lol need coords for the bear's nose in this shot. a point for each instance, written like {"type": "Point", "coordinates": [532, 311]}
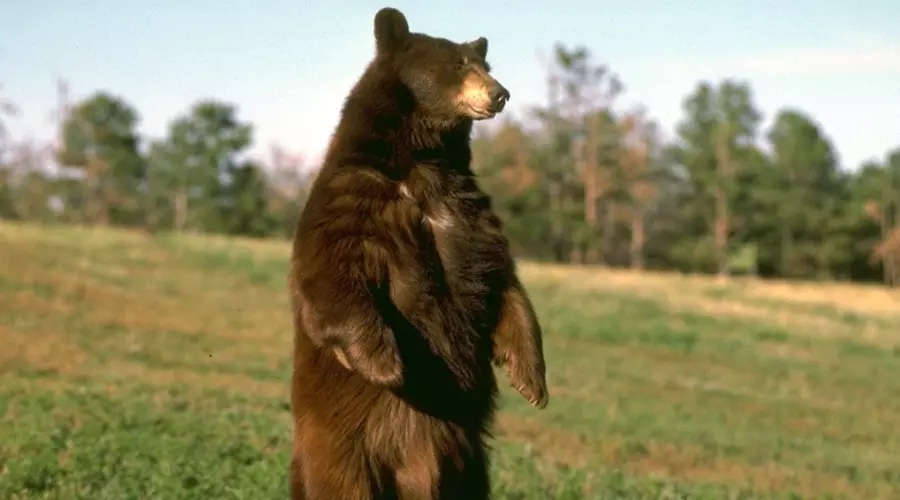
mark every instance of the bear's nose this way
{"type": "Point", "coordinates": [499, 97]}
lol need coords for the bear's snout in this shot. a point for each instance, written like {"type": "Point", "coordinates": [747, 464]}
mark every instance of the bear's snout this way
{"type": "Point", "coordinates": [499, 98]}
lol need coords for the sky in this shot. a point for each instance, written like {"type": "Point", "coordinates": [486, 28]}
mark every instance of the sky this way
{"type": "Point", "coordinates": [288, 65]}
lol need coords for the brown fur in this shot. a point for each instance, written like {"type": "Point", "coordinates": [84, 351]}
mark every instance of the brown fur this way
{"type": "Point", "coordinates": [403, 288]}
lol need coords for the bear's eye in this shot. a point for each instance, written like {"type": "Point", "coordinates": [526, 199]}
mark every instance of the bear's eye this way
{"type": "Point", "coordinates": [462, 61]}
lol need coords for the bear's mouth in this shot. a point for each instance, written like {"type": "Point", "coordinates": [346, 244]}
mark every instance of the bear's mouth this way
{"type": "Point", "coordinates": [481, 113]}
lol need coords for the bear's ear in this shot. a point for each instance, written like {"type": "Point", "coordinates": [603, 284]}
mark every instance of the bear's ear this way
{"type": "Point", "coordinates": [391, 29]}
{"type": "Point", "coordinates": [480, 46]}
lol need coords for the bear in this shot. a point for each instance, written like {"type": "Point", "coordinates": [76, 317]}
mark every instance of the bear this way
{"type": "Point", "coordinates": [403, 289]}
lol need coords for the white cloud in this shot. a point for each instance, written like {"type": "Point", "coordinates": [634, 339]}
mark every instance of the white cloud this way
{"type": "Point", "coordinates": [858, 54]}
{"type": "Point", "coordinates": [819, 62]}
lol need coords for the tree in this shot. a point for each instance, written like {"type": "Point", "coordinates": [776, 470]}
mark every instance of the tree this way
{"type": "Point", "coordinates": [166, 205]}
{"type": "Point", "coordinates": [100, 141]}
{"type": "Point", "coordinates": [886, 211]}
{"type": "Point", "coordinates": [7, 110]}
{"type": "Point", "coordinates": [582, 142]}
{"type": "Point", "coordinates": [196, 162]}
{"type": "Point", "coordinates": [808, 192]}
{"type": "Point", "coordinates": [715, 136]}
{"type": "Point", "coordinates": [246, 203]}
{"type": "Point", "coordinates": [642, 166]}
{"type": "Point", "coordinates": [508, 166]}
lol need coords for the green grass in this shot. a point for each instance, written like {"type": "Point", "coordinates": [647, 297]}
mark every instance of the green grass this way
{"type": "Point", "coordinates": [136, 366]}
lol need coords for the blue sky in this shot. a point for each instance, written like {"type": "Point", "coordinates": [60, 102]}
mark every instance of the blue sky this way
{"type": "Point", "coordinates": [287, 65]}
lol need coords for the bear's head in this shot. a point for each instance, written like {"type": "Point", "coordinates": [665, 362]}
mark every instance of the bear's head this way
{"type": "Point", "coordinates": [449, 81]}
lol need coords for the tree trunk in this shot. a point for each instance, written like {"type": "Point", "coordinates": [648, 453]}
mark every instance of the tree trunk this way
{"type": "Point", "coordinates": [786, 229]}
{"type": "Point", "coordinates": [180, 210]}
{"type": "Point", "coordinates": [609, 231]}
{"type": "Point", "coordinates": [721, 233]}
{"type": "Point", "coordinates": [590, 212]}
{"type": "Point", "coordinates": [888, 219]}
{"type": "Point", "coordinates": [723, 171]}
{"type": "Point", "coordinates": [637, 239]}
{"type": "Point", "coordinates": [555, 220]}
{"type": "Point", "coordinates": [589, 155]}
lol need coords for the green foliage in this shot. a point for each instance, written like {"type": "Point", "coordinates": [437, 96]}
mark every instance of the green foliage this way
{"type": "Point", "coordinates": [577, 180]}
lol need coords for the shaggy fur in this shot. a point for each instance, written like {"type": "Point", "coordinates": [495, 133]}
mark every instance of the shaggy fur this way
{"type": "Point", "coordinates": [403, 288]}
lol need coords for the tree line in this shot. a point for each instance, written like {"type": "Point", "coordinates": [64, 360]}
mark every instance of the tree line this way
{"type": "Point", "coordinates": [576, 180]}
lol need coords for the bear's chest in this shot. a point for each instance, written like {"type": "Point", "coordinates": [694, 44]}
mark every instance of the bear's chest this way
{"type": "Point", "coordinates": [468, 240]}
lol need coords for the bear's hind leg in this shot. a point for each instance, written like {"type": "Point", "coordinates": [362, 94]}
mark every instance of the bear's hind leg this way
{"type": "Point", "coordinates": [443, 478]}
{"type": "Point", "coordinates": [323, 468]}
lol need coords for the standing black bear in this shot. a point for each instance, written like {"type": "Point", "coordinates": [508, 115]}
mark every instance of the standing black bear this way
{"type": "Point", "coordinates": [403, 288]}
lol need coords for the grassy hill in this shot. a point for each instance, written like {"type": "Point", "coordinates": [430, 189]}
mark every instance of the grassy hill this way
{"type": "Point", "coordinates": [137, 366]}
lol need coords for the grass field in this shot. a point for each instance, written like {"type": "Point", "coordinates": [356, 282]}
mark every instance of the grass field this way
{"type": "Point", "coordinates": [136, 366]}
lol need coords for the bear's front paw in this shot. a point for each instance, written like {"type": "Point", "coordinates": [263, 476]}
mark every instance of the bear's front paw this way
{"type": "Point", "coordinates": [530, 381]}
{"type": "Point", "coordinates": [378, 363]}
